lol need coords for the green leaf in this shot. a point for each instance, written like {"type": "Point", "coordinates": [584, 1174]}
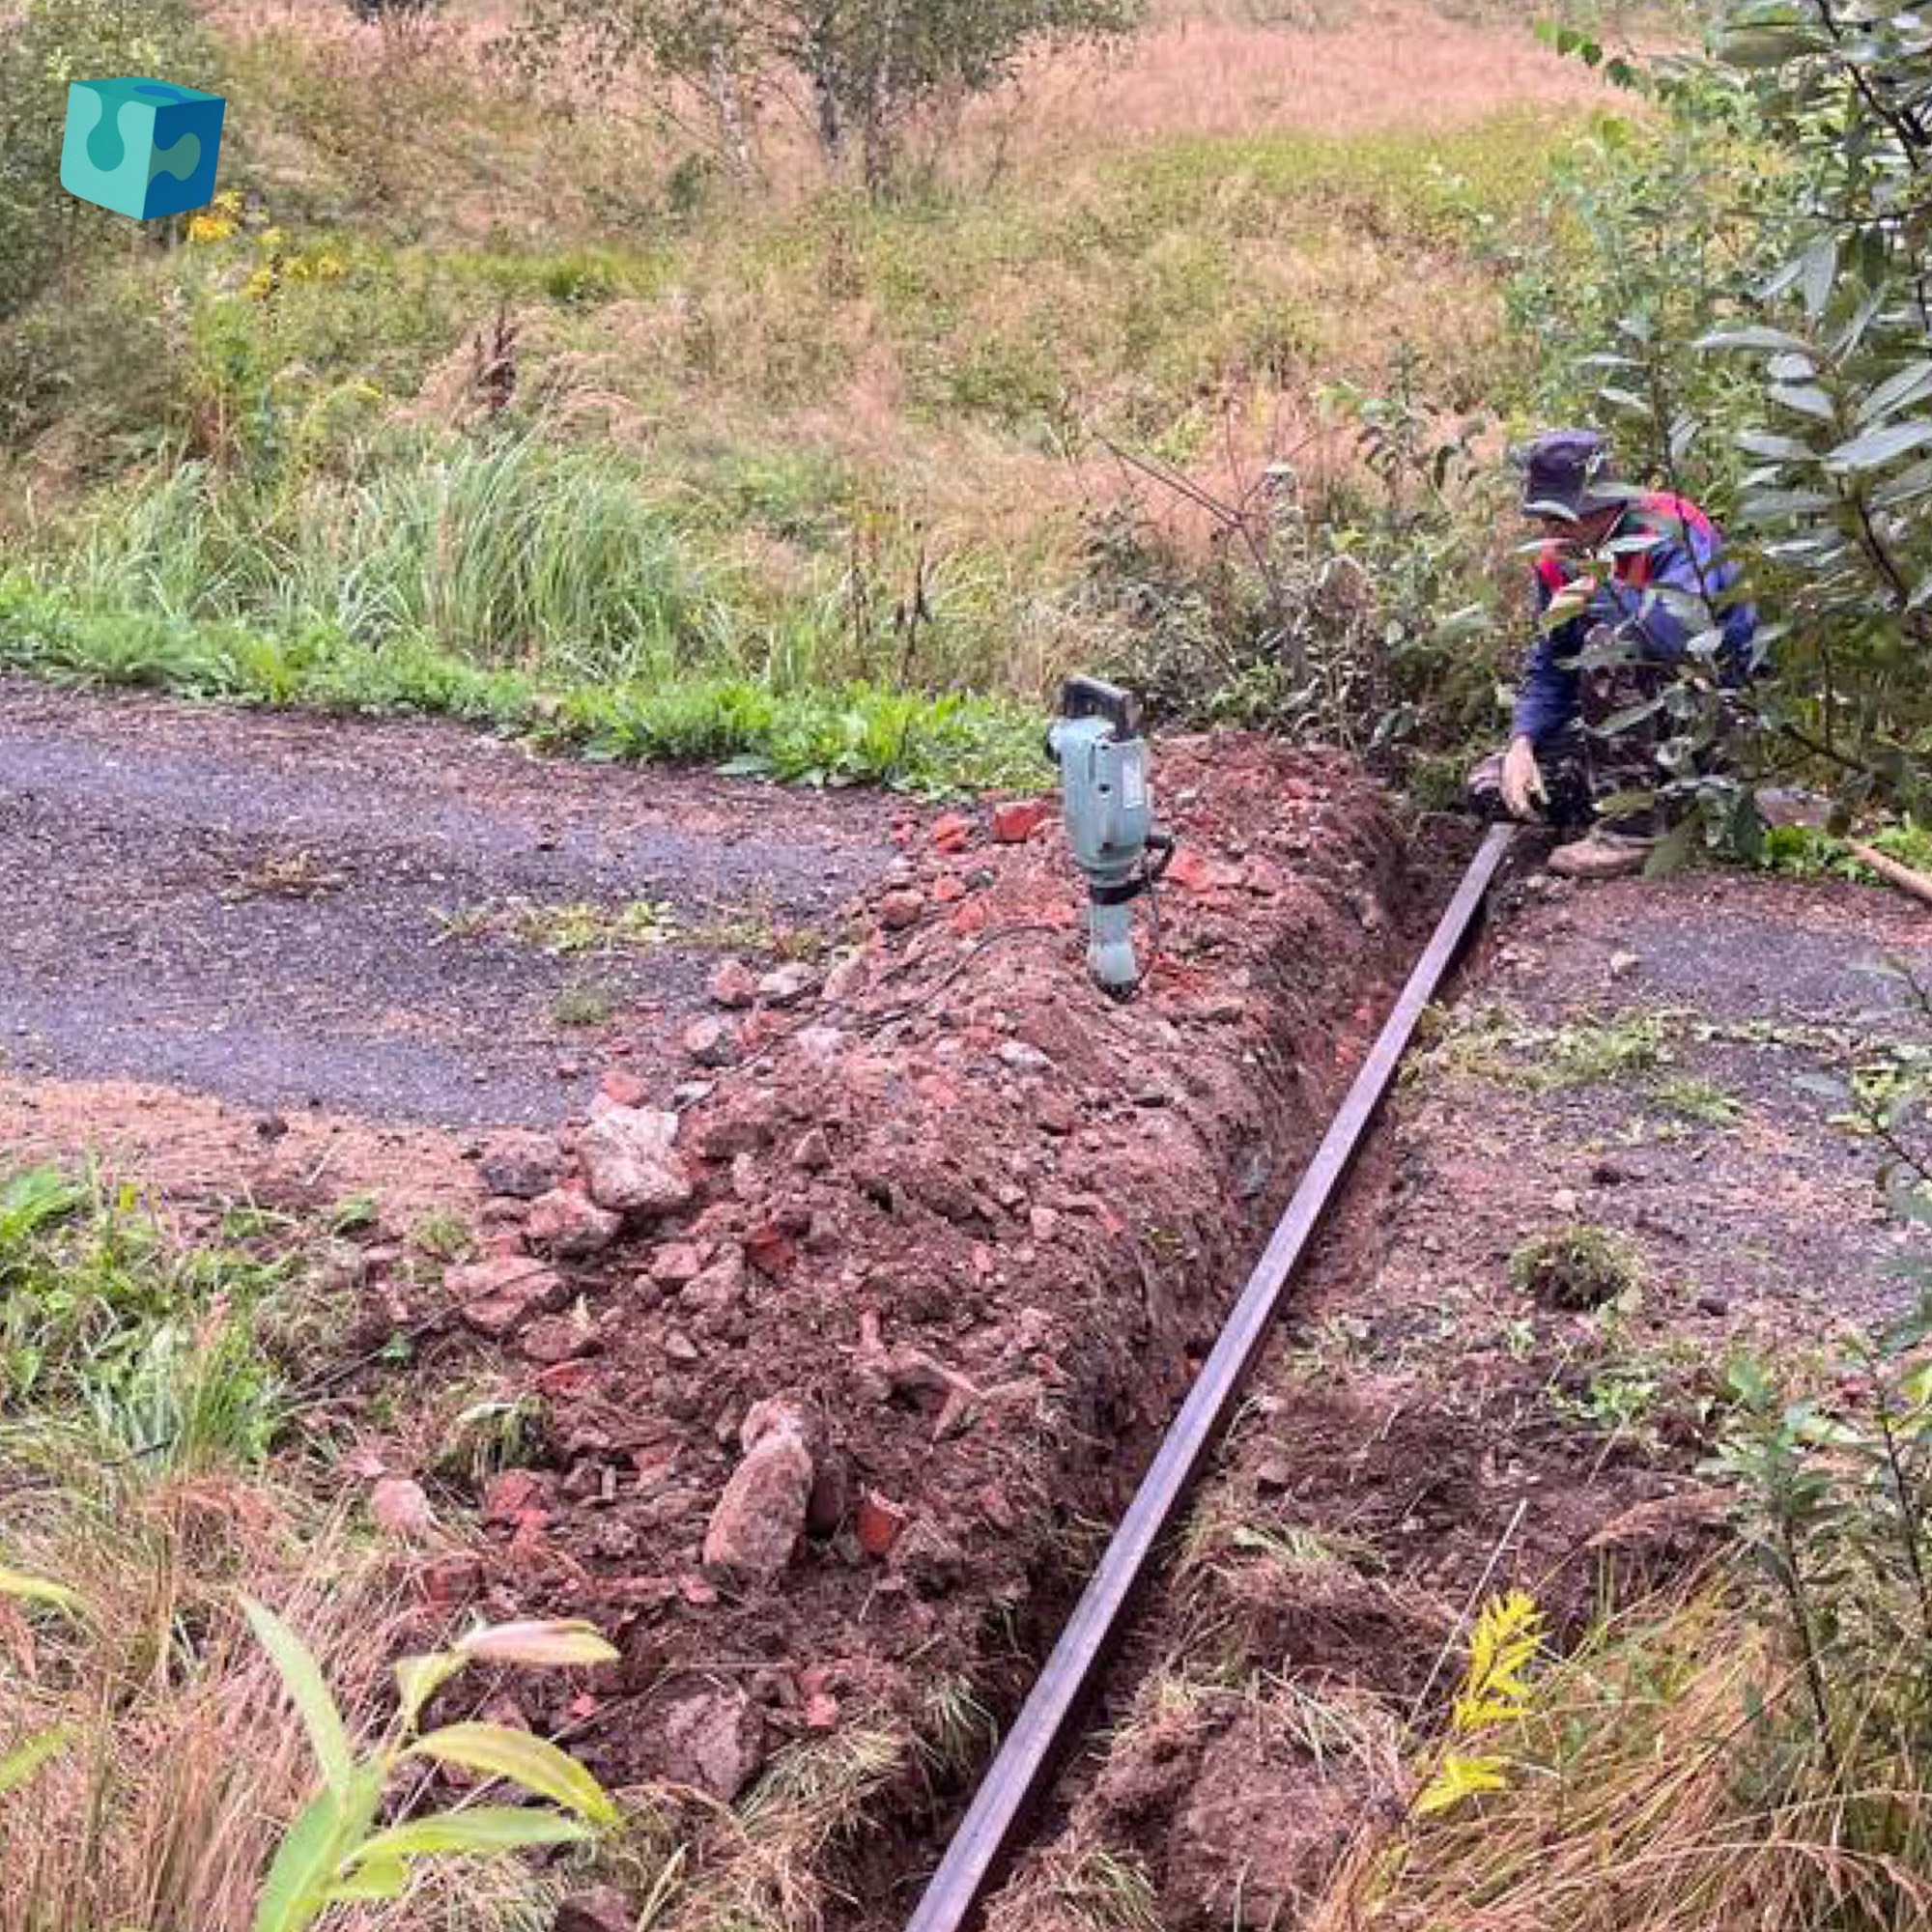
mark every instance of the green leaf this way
{"type": "Point", "coordinates": [1672, 852]}
{"type": "Point", "coordinates": [543, 1770]}
{"type": "Point", "coordinates": [1627, 400]}
{"type": "Point", "coordinates": [24, 1761]}
{"type": "Point", "coordinates": [17, 1584]}
{"type": "Point", "coordinates": [302, 1679]}
{"type": "Point", "coordinates": [378, 1879]}
{"type": "Point", "coordinates": [1777, 448]}
{"type": "Point", "coordinates": [292, 1894]}
{"type": "Point", "coordinates": [486, 1829]}
{"type": "Point", "coordinates": [1820, 274]}
{"type": "Point", "coordinates": [1877, 447]}
{"type": "Point", "coordinates": [1806, 399]}
{"type": "Point", "coordinates": [1899, 390]}
{"type": "Point", "coordinates": [419, 1678]}
{"type": "Point", "coordinates": [1758, 336]}
{"type": "Point", "coordinates": [545, 1645]}
{"type": "Point", "coordinates": [1906, 486]}
{"type": "Point", "coordinates": [1781, 504]}
{"type": "Point", "coordinates": [1767, 47]}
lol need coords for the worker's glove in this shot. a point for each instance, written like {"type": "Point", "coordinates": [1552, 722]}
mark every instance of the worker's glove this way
{"type": "Point", "coordinates": [1524, 789]}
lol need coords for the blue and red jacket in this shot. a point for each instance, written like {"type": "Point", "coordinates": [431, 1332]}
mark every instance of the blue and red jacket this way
{"type": "Point", "coordinates": [1685, 552]}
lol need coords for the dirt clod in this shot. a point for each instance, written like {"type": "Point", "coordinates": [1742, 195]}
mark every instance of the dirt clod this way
{"type": "Point", "coordinates": [521, 1165]}
{"type": "Point", "coordinates": [499, 1295]}
{"type": "Point", "coordinates": [602, 1908]}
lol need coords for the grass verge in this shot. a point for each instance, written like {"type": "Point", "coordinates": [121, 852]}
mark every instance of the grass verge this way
{"type": "Point", "coordinates": [150, 1468]}
{"type": "Point", "coordinates": [855, 733]}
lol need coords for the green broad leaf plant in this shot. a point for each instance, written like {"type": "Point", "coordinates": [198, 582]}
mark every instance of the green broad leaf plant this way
{"type": "Point", "coordinates": [21, 1759]}
{"type": "Point", "coordinates": [336, 1853]}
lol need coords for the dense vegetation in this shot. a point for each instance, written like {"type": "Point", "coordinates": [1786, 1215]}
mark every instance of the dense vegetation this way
{"type": "Point", "coordinates": [474, 393]}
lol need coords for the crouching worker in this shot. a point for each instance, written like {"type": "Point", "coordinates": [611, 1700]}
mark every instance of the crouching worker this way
{"type": "Point", "coordinates": [1626, 583]}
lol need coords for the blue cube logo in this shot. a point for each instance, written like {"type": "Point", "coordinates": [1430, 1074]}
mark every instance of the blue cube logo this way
{"type": "Point", "coordinates": [141, 147]}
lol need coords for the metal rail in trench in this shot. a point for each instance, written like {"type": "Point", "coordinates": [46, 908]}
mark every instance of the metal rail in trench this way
{"type": "Point", "coordinates": [1019, 1775]}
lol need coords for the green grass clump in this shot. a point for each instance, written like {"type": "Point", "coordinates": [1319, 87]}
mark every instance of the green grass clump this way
{"type": "Point", "coordinates": [856, 734]}
{"type": "Point", "coordinates": [1809, 852]}
{"type": "Point", "coordinates": [1576, 1268]}
{"type": "Point", "coordinates": [1592, 1050]}
{"type": "Point", "coordinates": [109, 1329]}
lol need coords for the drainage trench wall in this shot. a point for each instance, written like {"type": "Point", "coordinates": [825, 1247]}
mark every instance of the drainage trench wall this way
{"type": "Point", "coordinates": [960, 1234]}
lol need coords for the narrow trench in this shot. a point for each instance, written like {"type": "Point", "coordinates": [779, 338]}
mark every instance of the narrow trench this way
{"type": "Point", "coordinates": [877, 1878]}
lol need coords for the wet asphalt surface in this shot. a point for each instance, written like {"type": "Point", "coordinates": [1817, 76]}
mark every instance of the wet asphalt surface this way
{"type": "Point", "coordinates": [291, 912]}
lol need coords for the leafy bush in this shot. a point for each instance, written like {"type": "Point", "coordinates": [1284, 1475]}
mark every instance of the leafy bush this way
{"type": "Point", "coordinates": [1750, 282]}
{"type": "Point", "coordinates": [47, 44]}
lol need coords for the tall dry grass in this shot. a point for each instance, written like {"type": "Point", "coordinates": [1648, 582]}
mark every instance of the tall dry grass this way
{"type": "Point", "coordinates": [1206, 72]}
{"type": "Point", "coordinates": [1200, 69]}
{"type": "Point", "coordinates": [1667, 1780]}
{"type": "Point", "coordinates": [184, 1760]}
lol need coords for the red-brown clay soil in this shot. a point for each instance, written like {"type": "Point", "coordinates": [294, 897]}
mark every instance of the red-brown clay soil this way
{"type": "Point", "coordinates": [837, 1404]}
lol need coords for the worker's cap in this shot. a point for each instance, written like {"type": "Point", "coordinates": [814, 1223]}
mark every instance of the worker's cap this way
{"type": "Point", "coordinates": [1567, 473]}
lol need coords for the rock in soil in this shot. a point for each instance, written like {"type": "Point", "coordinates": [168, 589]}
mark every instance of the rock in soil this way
{"type": "Point", "coordinates": [630, 1164]}
{"type": "Point", "coordinates": [521, 1165]}
{"type": "Point", "coordinates": [714, 1740]}
{"type": "Point", "coordinates": [710, 1041]}
{"type": "Point", "coordinates": [734, 986]}
{"type": "Point", "coordinates": [761, 1515]}
{"type": "Point", "coordinates": [602, 1907]}
{"type": "Point", "coordinates": [571, 1225]}
{"type": "Point", "coordinates": [499, 1295]}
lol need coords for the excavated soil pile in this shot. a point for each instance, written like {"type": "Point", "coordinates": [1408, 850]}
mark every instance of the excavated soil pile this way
{"type": "Point", "coordinates": [844, 1359]}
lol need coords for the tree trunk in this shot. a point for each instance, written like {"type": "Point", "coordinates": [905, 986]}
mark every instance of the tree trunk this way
{"type": "Point", "coordinates": [727, 102]}
{"type": "Point", "coordinates": [822, 62]}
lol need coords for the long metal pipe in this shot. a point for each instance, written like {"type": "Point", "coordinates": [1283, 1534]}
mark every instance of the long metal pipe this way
{"type": "Point", "coordinates": [1018, 1775]}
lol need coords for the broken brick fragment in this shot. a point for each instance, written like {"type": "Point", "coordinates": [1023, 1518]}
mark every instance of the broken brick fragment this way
{"type": "Point", "coordinates": [771, 1250]}
{"type": "Point", "coordinates": [1016, 821]}
{"type": "Point", "coordinates": [880, 1523]}
{"type": "Point", "coordinates": [953, 832]}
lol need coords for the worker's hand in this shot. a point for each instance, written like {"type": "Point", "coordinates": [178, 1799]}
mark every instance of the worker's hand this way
{"type": "Point", "coordinates": [1524, 789]}
{"type": "Point", "coordinates": [1570, 603]}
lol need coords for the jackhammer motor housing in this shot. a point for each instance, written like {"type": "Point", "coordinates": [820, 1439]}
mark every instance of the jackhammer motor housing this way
{"type": "Point", "coordinates": [1103, 756]}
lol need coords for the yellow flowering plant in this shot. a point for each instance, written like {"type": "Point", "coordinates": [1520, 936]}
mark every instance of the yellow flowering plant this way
{"type": "Point", "coordinates": [1509, 1634]}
